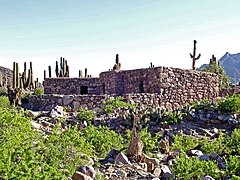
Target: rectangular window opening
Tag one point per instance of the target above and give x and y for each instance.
(83, 90)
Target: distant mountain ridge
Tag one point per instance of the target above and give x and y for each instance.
(231, 64)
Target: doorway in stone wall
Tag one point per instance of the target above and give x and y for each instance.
(83, 90)
(141, 88)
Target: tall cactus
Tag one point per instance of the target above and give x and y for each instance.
(49, 72)
(32, 84)
(86, 75)
(17, 76)
(24, 75)
(63, 71)
(80, 74)
(14, 75)
(193, 56)
(57, 69)
(44, 74)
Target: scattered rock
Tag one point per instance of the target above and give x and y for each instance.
(195, 153)
(166, 173)
(164, 145)
(33, 113)
(204, 157)
(157, 172)
(57, 111)
(207, 178)
(80, 176)
(35, 125)
(67, 100)
(121, 159)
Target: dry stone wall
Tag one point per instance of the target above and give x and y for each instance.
(49, 101)
(160, 86)
(69, 86)
(171, 83)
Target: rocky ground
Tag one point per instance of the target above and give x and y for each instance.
(116, 165)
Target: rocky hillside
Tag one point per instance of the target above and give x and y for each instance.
(6, 72)
(231, 64)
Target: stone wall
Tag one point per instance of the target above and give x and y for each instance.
(160, 86)
(67, 86)
(172, 83)
(49, 101)
(7, 72)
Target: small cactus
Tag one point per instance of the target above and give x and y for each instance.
(193, 56)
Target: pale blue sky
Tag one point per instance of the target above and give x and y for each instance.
(90, 33)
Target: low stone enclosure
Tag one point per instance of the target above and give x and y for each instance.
(160, 87)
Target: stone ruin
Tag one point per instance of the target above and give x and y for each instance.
(154, 86)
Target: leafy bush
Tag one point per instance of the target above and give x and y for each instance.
(173, 117)
(4, 102)
(85, 115)
(233, 165)
(26, 154)
(184, 143)
(193, 168)
(38, 91)
(230, 104)
(102, 139)
(111, 104)
(3, 91)
(233, 142)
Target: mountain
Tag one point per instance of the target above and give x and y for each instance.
(231, 64)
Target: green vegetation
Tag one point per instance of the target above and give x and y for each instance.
(85, 115)
(227, 146)
(214, 67)
(3, 91)
(230, 104)
(38, 91)
(26, 154)
(102, 139)
(113, 103)
(4, 102)
(193, 168)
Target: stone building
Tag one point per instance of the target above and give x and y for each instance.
(169, 86)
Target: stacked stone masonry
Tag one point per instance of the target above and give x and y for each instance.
(68, 86)
(159, 86)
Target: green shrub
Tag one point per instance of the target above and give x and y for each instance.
(216, 145)
(26, 154)
(230, 104)
(173, 117)
(184, 143)
(111, 104)
(3, 91)
(85, 115)
(102, 139)
(233, 142)
(233, 165)
(4, 102)
(38, 91)
(193, 168)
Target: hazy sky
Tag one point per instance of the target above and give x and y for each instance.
(90, 33)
